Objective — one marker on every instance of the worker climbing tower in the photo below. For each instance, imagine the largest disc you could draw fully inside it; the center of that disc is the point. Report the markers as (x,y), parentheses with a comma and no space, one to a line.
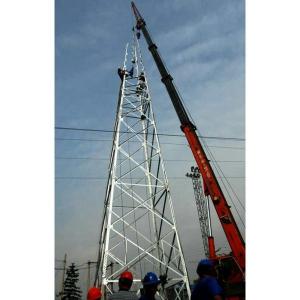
(138,231)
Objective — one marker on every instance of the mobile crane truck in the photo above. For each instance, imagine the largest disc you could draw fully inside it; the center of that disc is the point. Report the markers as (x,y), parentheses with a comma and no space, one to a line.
(230,268)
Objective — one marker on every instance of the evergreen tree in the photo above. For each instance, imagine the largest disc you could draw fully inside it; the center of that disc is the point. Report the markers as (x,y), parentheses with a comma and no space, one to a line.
(71,291)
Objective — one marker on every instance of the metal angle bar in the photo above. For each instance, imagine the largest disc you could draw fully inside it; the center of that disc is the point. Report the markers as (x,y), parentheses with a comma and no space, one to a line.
(162,188)
(163,211)
(164,255)
(115,246)
(131,117)
(137,218)
(175,258)
(103,258)
(128,140)
(134,84)
(121,219)
(131,129)
(145,131)
(178,292)
(133,97)
(128,225)
(137,166)
(157,173)
(127,157)
(108,190)
(153,135)
(174,279)
(131,110)
(179,262)
(117,280)
(118,260)
(126,105)
(134,198)
(153,211)
(172,246)
(164,191)
(139,184)
(128,89)
(151,145)
(137,133)
(131,103)
(142,203)
(124,206)
(130,95)
(109,289)
(129,265)
(171,251)
(118,196)
(146,251)
(140,216)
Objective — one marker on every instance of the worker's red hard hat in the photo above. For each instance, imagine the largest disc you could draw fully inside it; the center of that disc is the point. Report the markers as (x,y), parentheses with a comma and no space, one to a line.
(94,294)
(127,275)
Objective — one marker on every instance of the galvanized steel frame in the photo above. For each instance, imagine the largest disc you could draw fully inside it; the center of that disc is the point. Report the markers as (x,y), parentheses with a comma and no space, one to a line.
(133,105)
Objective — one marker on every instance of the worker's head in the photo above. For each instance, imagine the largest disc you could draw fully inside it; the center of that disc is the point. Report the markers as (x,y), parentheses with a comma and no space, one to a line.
(94,293)
(205,267)
(125,281)
(150,283)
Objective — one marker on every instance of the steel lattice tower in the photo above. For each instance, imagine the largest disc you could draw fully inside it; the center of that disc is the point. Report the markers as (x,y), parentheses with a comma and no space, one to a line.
(202,205)
(139,230)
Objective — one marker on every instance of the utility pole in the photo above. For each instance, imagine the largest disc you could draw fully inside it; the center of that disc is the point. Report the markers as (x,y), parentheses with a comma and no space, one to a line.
(63,276)
(89,275)
(88,283)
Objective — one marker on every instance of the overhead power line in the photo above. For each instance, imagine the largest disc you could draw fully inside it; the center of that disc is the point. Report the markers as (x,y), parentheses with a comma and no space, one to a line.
(168,160)
(162,143)
(161,134)
(105,178)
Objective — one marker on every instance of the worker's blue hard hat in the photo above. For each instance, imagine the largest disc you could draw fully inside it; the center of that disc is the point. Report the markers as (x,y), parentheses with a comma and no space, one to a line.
(204,266)
(205,262)
(151,279)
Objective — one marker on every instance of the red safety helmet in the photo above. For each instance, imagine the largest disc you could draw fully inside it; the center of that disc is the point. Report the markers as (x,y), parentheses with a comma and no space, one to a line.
(127,275)
(94,294)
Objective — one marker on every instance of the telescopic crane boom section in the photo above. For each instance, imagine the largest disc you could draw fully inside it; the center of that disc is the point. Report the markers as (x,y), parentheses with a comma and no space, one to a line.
(228,223)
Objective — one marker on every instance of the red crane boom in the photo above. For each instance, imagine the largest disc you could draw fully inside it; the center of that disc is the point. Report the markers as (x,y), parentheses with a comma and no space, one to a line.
(226,218)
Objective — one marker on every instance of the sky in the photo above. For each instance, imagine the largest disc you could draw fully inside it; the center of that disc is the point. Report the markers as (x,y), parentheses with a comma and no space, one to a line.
(202,43)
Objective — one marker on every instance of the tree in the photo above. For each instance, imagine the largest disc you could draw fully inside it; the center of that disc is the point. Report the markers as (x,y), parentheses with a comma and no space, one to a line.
(71,291)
